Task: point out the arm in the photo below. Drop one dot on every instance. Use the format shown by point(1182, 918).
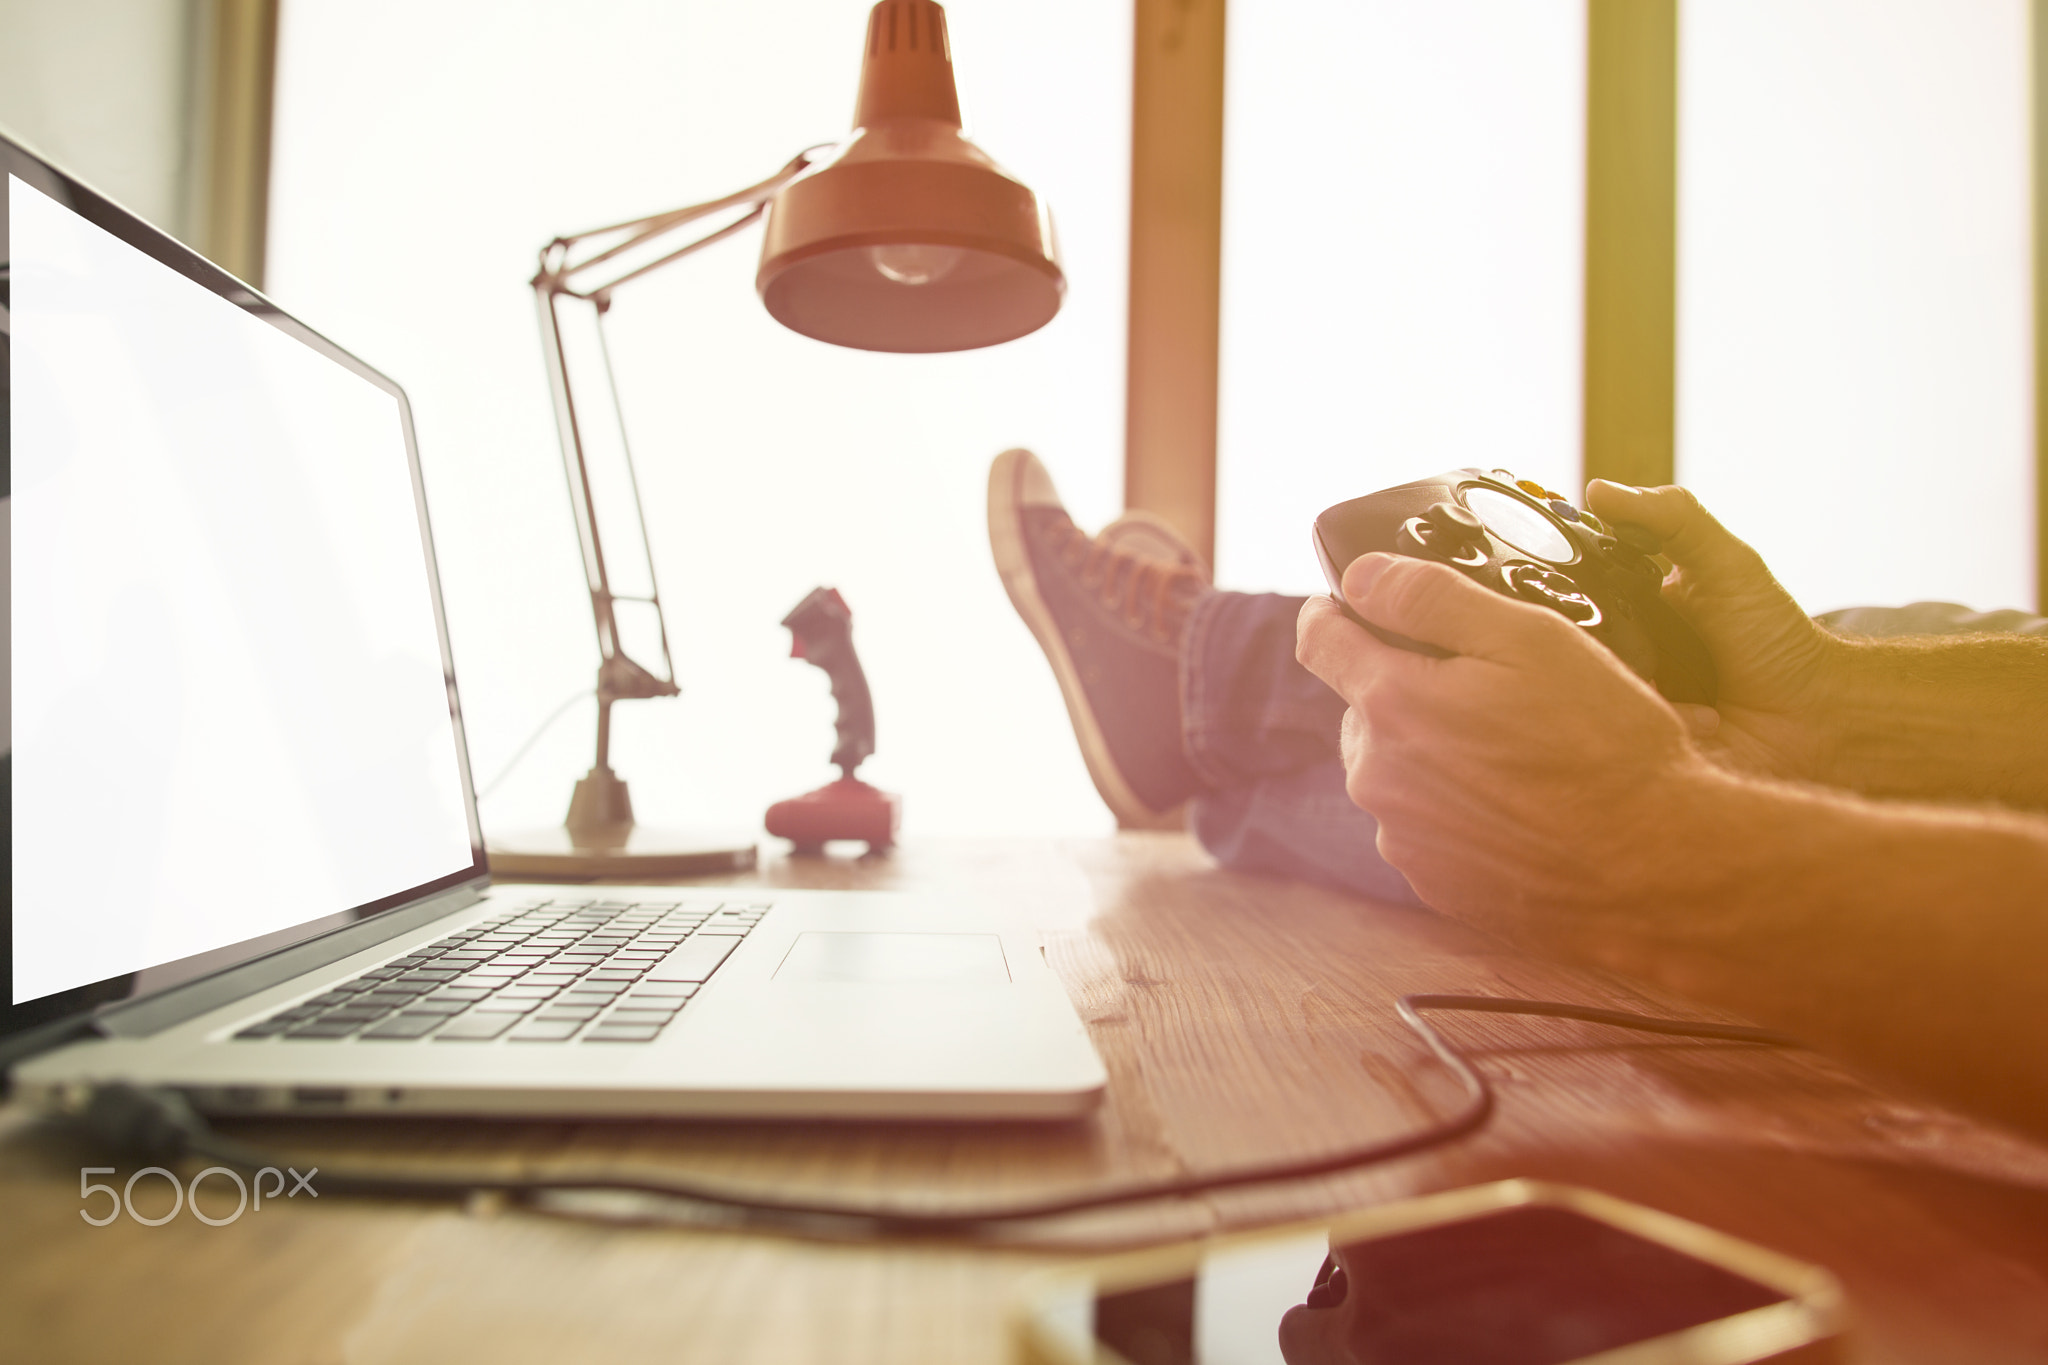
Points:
point(1907, 940)
point(1942, 716)
point(1937, 717)
point(1533, 785)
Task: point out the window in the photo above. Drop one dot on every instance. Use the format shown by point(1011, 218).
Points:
point(1854, 307)
point(424, 153)
point(1403, 199)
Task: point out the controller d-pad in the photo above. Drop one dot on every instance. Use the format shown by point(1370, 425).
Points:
point(1548, 588)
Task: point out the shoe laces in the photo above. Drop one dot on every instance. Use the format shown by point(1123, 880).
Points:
point(1147, 595)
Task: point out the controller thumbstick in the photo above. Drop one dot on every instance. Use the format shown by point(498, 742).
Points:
point(1445, 531)
point(1639, 538)
point(1457, 524)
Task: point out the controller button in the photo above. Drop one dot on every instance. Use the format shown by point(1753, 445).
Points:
point(1564, 509)
point(1533, 489)
point(1593, 522)
point(1547, 588)
point(1641, 539)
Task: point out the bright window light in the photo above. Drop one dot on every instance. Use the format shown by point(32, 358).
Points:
point(1854, 387)
point(1403, 207)
point(424, 153)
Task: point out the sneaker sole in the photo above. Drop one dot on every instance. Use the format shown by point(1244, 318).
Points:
point(1013, 565)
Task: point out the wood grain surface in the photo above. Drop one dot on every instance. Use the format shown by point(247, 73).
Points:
point(1241, 1020)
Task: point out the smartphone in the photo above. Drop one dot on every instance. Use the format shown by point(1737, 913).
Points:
point(1514, 1273)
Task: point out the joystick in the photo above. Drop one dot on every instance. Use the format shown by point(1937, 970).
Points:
point(1524, 541)
point(821, 633)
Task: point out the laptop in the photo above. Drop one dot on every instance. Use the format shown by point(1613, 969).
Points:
point(246, 858)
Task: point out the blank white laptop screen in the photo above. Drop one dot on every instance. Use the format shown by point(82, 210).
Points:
point(230, 709)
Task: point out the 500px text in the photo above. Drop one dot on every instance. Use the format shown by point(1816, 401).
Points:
point(123, 1199)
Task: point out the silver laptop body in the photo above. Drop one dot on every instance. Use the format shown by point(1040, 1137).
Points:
point(246, 860)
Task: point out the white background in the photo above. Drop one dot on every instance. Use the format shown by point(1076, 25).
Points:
point(1402, 285)
point(227, 688)
point(1855, 348)
point(424, 153)
point(1403, 199)
point(1402, 277)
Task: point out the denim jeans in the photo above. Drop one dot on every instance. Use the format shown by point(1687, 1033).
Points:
point(1261, 733)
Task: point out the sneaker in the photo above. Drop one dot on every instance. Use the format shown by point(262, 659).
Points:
point(1152, 537)
point(1109, 611)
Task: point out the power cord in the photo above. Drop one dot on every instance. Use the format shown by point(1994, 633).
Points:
point(161, 1127)
point(578, 695)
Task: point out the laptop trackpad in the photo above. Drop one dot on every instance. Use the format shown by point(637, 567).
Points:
point(896, 959)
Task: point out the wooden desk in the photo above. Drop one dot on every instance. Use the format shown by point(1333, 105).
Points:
point(1240, 1019)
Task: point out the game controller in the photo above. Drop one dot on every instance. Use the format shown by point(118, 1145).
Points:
point(1523, 541)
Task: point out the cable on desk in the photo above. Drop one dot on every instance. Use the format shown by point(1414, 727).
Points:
point(162, 1127)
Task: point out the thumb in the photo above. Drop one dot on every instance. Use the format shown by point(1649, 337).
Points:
point(1435, 604)
point(1691, 535)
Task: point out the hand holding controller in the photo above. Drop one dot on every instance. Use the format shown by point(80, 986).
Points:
point(1519, 539)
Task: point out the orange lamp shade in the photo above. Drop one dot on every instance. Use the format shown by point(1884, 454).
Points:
point(911, 238)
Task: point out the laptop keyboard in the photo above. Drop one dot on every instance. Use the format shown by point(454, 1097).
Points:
point(552, 971)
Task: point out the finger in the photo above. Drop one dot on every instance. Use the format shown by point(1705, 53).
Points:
point(1343, 653)
point(1435, 604)
point(1691, 535)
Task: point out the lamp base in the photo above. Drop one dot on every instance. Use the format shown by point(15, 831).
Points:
point(629, 851)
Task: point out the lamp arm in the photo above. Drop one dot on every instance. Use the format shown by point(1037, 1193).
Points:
point(559, 275)
point(620, 677)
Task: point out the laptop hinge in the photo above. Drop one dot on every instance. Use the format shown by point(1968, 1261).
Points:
point(43, 1038)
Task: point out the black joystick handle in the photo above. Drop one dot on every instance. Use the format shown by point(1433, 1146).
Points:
point(1445, 531)
point(821, 633)
point(1457, 523)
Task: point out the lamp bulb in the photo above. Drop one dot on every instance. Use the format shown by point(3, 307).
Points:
point(915, 263)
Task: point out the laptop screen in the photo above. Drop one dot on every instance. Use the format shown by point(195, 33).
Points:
point(232, 712)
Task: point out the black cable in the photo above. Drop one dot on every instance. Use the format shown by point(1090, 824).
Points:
point(162, 1127)
point(513, 762)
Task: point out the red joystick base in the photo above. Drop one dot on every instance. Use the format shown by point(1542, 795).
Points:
point(846, 809)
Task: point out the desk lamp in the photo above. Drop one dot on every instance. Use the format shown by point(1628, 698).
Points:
point(904, 237)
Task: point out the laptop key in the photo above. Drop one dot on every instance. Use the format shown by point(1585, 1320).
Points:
point(268, 1028)
point(363, 1007)
point(632, 1016)
point(325, 1028)
point(663, 990)
point(403, 1026)
point(475, 1028)
point(545, 1031)
point(622, 1033)
point(435, 1004)
point(498, 1004)
point(697, 959)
